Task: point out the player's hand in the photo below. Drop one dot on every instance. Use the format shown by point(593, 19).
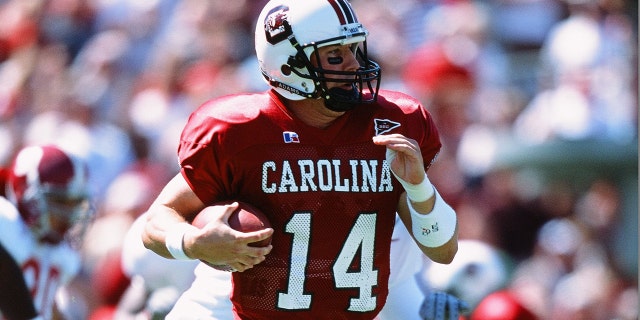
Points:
point(219, 244)
point(440, 305)
point(404, 156)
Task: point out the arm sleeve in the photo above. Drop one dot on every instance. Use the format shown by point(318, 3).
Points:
point(430, 143)
point(15, 300)
point(199, 158)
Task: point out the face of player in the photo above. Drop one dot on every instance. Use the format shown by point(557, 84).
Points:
point(63, 214)
point(337, 58)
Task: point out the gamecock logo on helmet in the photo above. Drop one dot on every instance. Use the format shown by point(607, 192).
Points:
point(276, 25)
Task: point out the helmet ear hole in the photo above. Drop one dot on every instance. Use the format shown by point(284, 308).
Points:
point(285, 69)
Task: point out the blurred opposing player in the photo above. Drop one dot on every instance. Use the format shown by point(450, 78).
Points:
point(156, 282)
point(478, 270)
point(44, 212)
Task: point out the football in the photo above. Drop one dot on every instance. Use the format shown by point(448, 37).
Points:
point(245, 218)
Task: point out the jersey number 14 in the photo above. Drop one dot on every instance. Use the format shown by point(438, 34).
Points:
point(360, 237)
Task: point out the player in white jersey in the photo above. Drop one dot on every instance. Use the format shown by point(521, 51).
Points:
point(45, 208)
point(156, 282)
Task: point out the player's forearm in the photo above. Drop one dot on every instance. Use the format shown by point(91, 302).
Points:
point(160, 222)
point(431, 221)
point(167, 216)
point(443, 254)
point(436, 236)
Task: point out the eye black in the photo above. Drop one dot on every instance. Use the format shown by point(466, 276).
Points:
point(335, 60)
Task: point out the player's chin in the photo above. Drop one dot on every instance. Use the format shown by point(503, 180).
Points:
point(345, 86)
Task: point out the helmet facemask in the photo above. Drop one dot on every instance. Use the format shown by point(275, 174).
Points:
point(56, 214)
point(365, 81)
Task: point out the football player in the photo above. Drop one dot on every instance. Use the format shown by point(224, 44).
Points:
point(326, 154)
point(43, 215)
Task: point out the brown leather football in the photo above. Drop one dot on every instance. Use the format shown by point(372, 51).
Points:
point(245, 218)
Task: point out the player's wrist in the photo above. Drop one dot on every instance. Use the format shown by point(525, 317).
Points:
point(420, 192)
point(435, 228)
point(174, 241)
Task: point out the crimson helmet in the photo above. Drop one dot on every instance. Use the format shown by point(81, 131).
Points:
point(501, 305)
point(289, 31)
point(49, 188)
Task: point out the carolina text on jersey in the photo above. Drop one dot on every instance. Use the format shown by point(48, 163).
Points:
point(325, 175)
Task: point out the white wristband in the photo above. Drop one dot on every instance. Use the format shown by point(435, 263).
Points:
point(435, 228)
point(418, 192)
point(173, 241)
point(415, 192)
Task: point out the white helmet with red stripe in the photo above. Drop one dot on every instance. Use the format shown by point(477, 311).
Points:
point(49, 188)
point(289, 31)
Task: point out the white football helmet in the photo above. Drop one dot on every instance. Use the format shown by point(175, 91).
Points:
point(49, 188)
point(289, 31)
point(477, 270)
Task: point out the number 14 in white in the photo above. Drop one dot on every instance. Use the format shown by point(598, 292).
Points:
point(361, 236)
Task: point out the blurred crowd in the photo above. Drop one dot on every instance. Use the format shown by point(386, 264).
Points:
point(536, 102)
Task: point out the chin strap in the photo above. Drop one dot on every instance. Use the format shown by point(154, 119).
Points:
point(340, 100)
point(337, 99)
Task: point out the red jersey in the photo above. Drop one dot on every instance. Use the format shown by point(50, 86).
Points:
point(329, 195)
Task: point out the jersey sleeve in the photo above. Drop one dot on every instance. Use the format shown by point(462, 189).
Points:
point(200, 164)
point(430, 144)
point(415, 122)
point(213, 137)
point(419, 125)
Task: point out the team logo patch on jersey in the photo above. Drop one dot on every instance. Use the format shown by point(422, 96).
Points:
point(385, 125)
point(290, 137)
